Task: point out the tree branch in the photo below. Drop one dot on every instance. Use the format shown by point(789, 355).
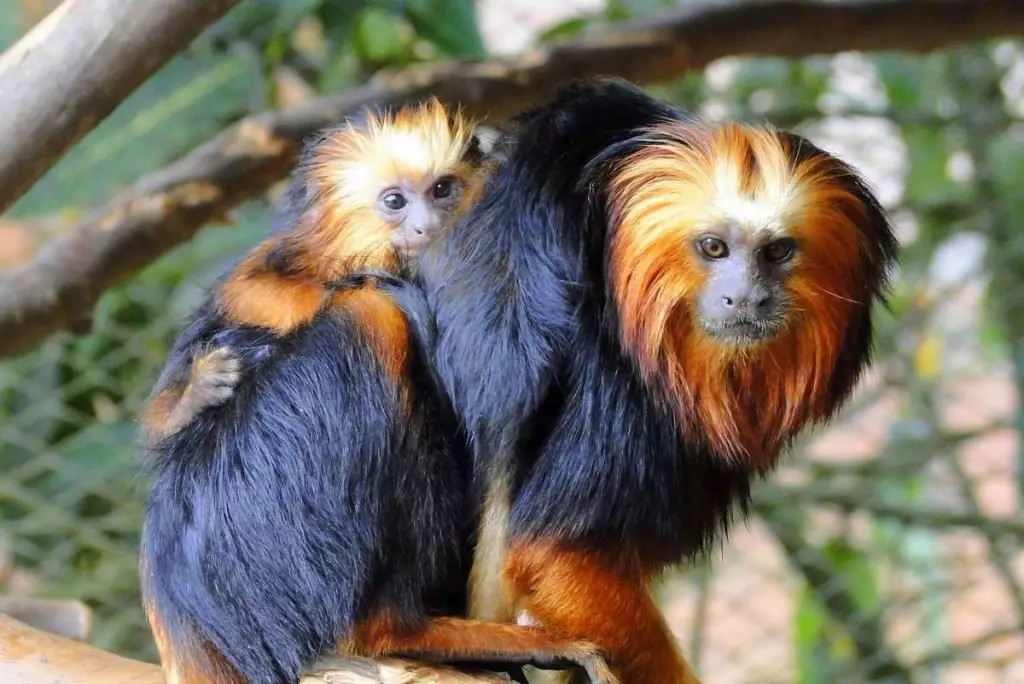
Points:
point(71, 619)
point(33, 656)
point(850, 499)
point(70, 71)
point(59, 288)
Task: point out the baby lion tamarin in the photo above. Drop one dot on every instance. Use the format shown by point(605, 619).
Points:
point(409, 173)
point(323, 507)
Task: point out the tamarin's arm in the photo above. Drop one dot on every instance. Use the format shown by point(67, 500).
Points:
point(202, 371)
point(459, 640)
point(208, 381)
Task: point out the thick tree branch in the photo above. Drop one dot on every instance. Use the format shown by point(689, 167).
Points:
point(70, 71)
point(31, 656)
point(58, 290)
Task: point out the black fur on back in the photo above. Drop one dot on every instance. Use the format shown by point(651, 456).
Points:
point(311, 501)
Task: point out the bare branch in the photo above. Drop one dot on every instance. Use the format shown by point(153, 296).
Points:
point(71, 619)
point(58, 290)
point(851, 499)
point(70, 71)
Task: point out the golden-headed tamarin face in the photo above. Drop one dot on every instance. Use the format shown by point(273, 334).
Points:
point(738, 263)
point(395, 181)
point(726, 224)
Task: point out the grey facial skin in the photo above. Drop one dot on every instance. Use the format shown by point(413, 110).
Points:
point(419, 212)
point(744, 300)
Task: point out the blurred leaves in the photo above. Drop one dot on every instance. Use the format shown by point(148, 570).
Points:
point(188, 101)
point(928, 358)
point(383, 37)
point(825, 649)
point(450, 25)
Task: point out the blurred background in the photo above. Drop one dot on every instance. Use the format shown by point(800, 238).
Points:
point(886, 549)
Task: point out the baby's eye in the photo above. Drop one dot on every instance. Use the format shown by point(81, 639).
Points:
point(394, 201)
point(444, 188)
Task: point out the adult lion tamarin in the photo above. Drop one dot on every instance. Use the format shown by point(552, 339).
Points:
point(635, 318)
point(322, 507)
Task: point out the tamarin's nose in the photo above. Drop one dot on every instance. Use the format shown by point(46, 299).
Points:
point(756, 298)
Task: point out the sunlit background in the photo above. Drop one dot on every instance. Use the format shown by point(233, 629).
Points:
point(887, 549)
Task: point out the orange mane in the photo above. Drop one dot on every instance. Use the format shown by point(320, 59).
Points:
point(747, 402)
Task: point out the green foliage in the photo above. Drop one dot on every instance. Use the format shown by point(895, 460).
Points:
point(382, 37)
point(450, 25)
point(824, 648)
point(10, 24)
point(187, 102)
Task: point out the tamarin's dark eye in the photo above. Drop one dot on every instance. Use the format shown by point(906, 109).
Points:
point(394, 201)
point(713, 248)
point(443, 188)
point(779, 251)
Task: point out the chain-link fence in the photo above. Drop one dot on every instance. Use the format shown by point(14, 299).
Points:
point(886, 549)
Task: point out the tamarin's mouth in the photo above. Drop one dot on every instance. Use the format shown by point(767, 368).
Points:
point(744, 330)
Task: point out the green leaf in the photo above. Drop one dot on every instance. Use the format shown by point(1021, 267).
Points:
point(928, 152)
point(814, 661)
point(379, 37)
point(810, 79)
point(856, 571)
point(451, 25)
point(902, 79)
point(338, 16)
point(565, 29)
point(624, 10)
point(256, 22)
point(916, 83)
point(618, 10)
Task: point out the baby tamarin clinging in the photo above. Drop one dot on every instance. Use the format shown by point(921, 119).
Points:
point(323, 507)
point(408, 175)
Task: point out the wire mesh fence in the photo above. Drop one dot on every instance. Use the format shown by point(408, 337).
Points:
point(887, 548)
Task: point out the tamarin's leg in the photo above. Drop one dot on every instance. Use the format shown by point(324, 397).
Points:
point(582, 595)
point(194, 663)
point(211, 382)
point(454, 640)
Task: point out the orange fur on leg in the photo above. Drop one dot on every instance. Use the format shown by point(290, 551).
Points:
point(461, 640)
point(584, 596)
point(156, 414)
